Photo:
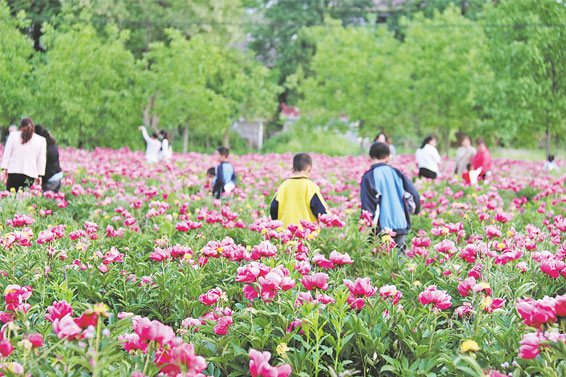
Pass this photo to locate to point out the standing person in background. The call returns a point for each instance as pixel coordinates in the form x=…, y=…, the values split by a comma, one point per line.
x=381, y=137
x=482, y=160
x=153, y=146
x=53, y=174
x=166, y=149
x=428, y=158
x=392, y=150
x=464, y=156
x=225, y=179
x=24, y=157
x=11, y=129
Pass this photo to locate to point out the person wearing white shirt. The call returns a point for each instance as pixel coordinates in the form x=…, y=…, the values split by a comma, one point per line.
x=24, y=157
x=166, y=149
x=428, y=158
x=153, y=146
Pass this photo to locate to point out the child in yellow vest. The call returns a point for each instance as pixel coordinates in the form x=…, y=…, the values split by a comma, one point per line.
x=298, y=198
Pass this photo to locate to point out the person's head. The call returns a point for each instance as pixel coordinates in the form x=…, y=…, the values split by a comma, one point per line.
x=466, y=142
x=430, y=139
x=12, y=128
x=27, y=128
x=380, y=137
x=379, y=152
x=469, y=167
x=42, y=131
x=388, y=140
x=154, y=135
x=223, y=153
x=211, y=173
x=164, y=134
x=302, y=163
x=550, y=158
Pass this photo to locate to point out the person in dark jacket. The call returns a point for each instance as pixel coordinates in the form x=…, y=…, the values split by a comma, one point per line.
x=225, y=179
x=388, y=195
x=53, y=173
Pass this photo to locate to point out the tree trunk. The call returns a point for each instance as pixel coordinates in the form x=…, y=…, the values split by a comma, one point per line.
x=186, y=138
x=548, y=140
x=226, y=139
x=447, y=141
x=207, y=141
x=260, y=136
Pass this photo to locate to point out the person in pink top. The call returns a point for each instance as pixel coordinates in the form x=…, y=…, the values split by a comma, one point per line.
x=24, y=157
x=482, y=159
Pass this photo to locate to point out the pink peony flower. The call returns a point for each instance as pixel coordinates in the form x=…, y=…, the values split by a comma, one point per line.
x=317, y=280
x=530, y=345
x=259, y=366
x=211, y=297
x=440, y=299
x=66, y=328
x=58, y=310
x=361, y=287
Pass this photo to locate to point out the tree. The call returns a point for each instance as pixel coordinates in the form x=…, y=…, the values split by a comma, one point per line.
x=85, y=90
x=15, y=67
x=445, y=54
x=282, y=44
x=529, y=60
x=356, y=73
x=198, y=84
x=179, y=76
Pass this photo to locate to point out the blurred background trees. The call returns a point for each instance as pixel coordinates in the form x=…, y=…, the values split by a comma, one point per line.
x=92, y=71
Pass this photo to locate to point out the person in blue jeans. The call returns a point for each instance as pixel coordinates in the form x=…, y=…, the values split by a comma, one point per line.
x=388, y=195
x=225, y=179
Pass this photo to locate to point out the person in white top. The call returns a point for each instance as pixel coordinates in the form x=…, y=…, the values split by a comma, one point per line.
x=166, y=149
x=153, y=146
x=24, y=157
x=428, y=158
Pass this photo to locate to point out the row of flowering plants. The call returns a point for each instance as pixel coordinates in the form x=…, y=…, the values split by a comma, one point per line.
x=131, y=271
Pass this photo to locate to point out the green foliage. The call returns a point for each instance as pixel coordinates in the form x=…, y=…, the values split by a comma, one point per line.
x=528, y=59
x=84, y=89
x=316, y=141
x=15, y=66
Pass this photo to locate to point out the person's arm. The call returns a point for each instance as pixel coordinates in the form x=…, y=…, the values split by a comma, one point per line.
x=7, y=152
x=317, y=205
x=368, y=194
x=274, y=208
x=144, y=134
x=218, y=182
x=410, y=188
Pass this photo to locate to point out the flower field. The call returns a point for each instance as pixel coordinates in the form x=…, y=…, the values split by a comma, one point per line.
x=129, y=271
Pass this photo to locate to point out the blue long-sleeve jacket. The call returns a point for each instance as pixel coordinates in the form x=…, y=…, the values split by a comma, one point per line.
x=387, y=187
x=224, y=173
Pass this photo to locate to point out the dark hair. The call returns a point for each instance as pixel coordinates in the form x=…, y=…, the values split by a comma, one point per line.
x=223, y=151
x=154, y=135
x=301, y=161
x=469, y=167
x=427, y=140
x=211, y=171
x=27, y=128
x=379, y=150
x=480, y=141
x=164, y=134
x=42, y=131
x=550, y=158
x=379, y=134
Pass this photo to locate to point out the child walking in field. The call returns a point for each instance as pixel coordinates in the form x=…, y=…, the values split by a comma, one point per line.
x=298, y=198
x=225, y=179
x=388, y=195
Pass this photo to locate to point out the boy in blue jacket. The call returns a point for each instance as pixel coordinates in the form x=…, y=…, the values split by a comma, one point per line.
x=225, y=178
x=388, y=195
